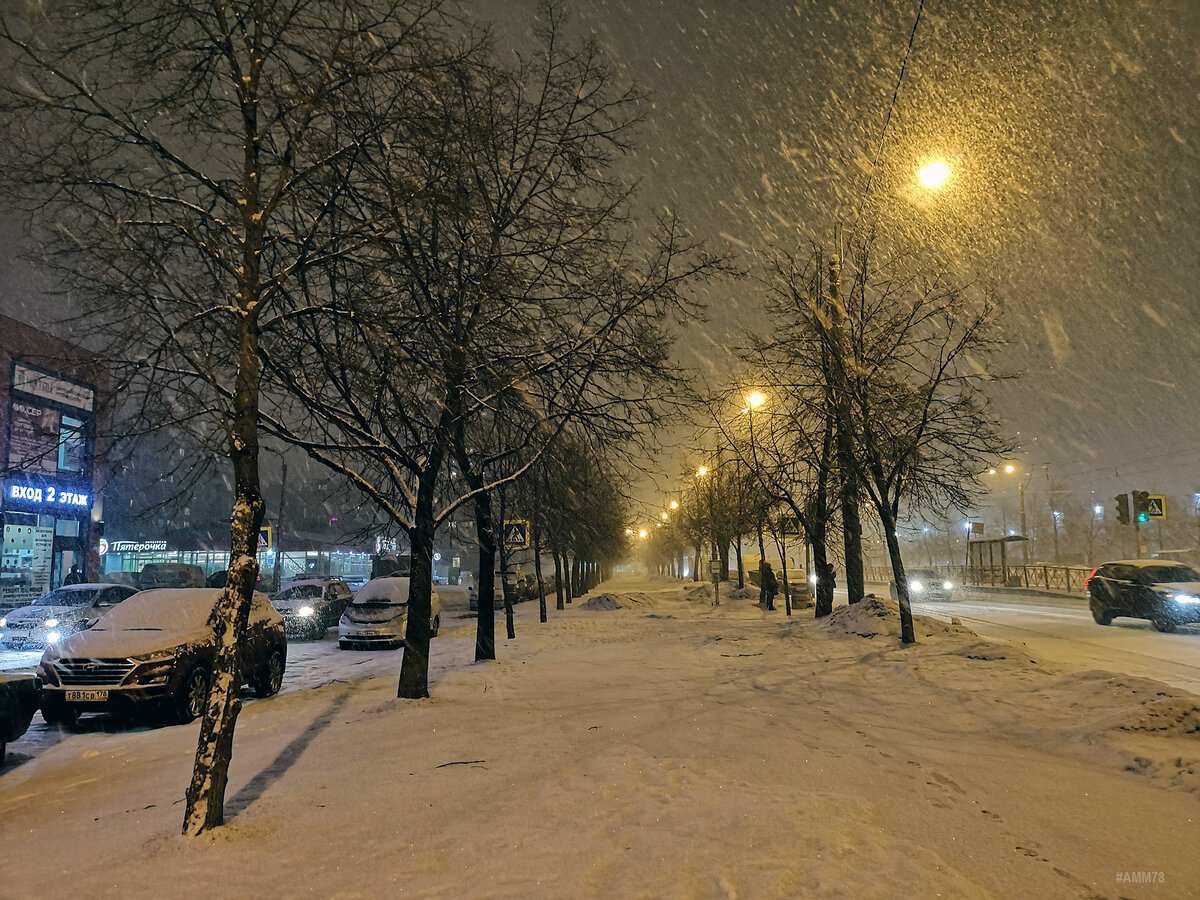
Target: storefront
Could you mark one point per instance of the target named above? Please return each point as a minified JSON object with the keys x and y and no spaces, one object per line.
{"x":121,"y":560}
{"x":49,"y":497}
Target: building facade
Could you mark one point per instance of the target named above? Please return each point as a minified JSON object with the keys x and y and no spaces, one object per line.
{"x":51,"y":396}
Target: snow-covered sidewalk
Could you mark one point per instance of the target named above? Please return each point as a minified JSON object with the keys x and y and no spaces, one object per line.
{"x":646,"y":744}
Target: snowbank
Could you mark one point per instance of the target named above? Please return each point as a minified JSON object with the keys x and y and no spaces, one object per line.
{"x":669,"y":748}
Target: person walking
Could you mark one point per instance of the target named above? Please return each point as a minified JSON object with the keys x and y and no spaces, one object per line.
{"x":770,"y":585}
{"x":74,"y":576}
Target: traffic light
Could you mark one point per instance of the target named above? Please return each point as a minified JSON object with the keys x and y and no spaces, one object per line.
{"x":1141,"y":507}
{"x":1123,"y":508}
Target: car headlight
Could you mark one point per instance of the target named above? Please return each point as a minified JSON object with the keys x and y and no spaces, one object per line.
{"x":305,"y":611}
{"x":53,"y":637}
{"x":948,"y":585}
{"x":50,"y":623}
{"x":3,"y":622}
{"x":157,"y":656}
{"x":916,"y":586}
{"x":1185,"y":598}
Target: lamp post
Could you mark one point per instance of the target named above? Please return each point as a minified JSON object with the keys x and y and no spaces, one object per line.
{"x":1010,"y":469}
{"x":277,"y":574}
{"x":753,"y":401}
{"x":712,"y":537}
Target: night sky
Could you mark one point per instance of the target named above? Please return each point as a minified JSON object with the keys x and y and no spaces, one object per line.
{"x":1073,"y":132}
{"x":1072,"y":128}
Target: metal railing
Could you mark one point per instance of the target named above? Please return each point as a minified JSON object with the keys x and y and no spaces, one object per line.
{"x":1060,"y":579}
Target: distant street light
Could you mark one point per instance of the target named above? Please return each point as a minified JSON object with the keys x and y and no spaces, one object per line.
{"x":934,"y":175}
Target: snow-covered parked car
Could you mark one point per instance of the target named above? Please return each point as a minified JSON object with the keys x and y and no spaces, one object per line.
{"x":312,"y":605}
{"x":155,"y":652}
{"x":378,"y":615}
{"x":61,"y":613}
{"x":18,"y":703}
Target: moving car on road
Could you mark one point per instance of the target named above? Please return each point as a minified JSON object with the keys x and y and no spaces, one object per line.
{"x":927,"y":584}
{"x":1166,"y":593}
{"x":377,"y":617}
{"x":311,"y":606}
{"x":18,"y":702}
{"x":62,"y":612}
{"x":155,"y":652}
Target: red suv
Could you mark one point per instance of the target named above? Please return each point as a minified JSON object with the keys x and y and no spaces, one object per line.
{"x":155,"y":651}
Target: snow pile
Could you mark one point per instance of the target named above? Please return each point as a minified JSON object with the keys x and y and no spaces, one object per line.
{"x":1165,"y":715}
{"x":601,"y":601}
{"x":873,"y":617}
{"x":700,"y":593}
{"x":746,"y":593}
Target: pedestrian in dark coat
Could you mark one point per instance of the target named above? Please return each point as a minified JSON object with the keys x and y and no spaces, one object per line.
{"x":770,"y":586}
{"x":74,"y":576}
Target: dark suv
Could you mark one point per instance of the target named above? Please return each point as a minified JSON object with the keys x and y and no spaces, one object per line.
{"x":1166,"y":593}
{"x":155,"y":651}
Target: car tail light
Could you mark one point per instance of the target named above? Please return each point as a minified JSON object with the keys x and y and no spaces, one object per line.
{"x":1088,"y":580}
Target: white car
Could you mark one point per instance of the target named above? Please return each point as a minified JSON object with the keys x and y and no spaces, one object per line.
{"x":62,"y":612}
{"x":378,"y":615}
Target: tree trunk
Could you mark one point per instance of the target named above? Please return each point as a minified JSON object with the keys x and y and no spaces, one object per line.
{"x":537,"y":572}
{"x":414,"y":668}
{"x":907,"y":636}
{"x":851,"y":518}
{"x":205,"y":807}
{"x":485,"y":580}
{"x":558,"y":580}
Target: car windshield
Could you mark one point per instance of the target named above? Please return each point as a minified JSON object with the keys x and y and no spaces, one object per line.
{"x":66,"y":597}
{"x":1169,"y":574}
{"x":299,"y":592}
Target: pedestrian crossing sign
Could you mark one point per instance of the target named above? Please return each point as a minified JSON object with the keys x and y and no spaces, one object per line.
{"x":516,"y":534}
{"x":1156,"y":506}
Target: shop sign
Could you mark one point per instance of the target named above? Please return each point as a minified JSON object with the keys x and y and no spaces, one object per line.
{"x":137,"y":546}
{"x":49,"y":387}
{"x":46,"y":495}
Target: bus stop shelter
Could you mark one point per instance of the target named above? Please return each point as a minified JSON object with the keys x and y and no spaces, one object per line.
{"x":987,"y":560}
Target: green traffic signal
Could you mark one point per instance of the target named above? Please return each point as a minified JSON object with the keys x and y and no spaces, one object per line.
{"x":1141,"y":506}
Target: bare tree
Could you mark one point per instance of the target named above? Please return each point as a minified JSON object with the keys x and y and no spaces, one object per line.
{"x":165,"y":152}
{"x":502,"y":299}
{"x":909,"y":354}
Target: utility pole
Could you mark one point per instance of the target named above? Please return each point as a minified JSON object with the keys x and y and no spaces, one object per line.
{"x":279,"y":522}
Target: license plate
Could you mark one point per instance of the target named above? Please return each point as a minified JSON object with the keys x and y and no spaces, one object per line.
{"x":368,"y":633}
{"x":87,"y":696}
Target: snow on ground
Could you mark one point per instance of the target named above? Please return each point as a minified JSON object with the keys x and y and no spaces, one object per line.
{"x":646,"y":743}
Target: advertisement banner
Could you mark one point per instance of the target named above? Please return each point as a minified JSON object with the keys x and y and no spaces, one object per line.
{"x":33,"y":438}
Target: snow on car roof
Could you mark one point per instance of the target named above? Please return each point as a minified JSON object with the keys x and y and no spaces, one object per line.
{"x":167,"y":609}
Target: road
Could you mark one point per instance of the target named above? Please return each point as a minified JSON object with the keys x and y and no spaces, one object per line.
{"x":1060,"y":630}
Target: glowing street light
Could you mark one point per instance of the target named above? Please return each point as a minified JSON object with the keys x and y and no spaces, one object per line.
{"x":934,"y":175}
{"x":643,"y":534}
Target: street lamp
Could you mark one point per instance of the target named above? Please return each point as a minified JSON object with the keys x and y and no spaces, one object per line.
{"x":934,"y":175}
